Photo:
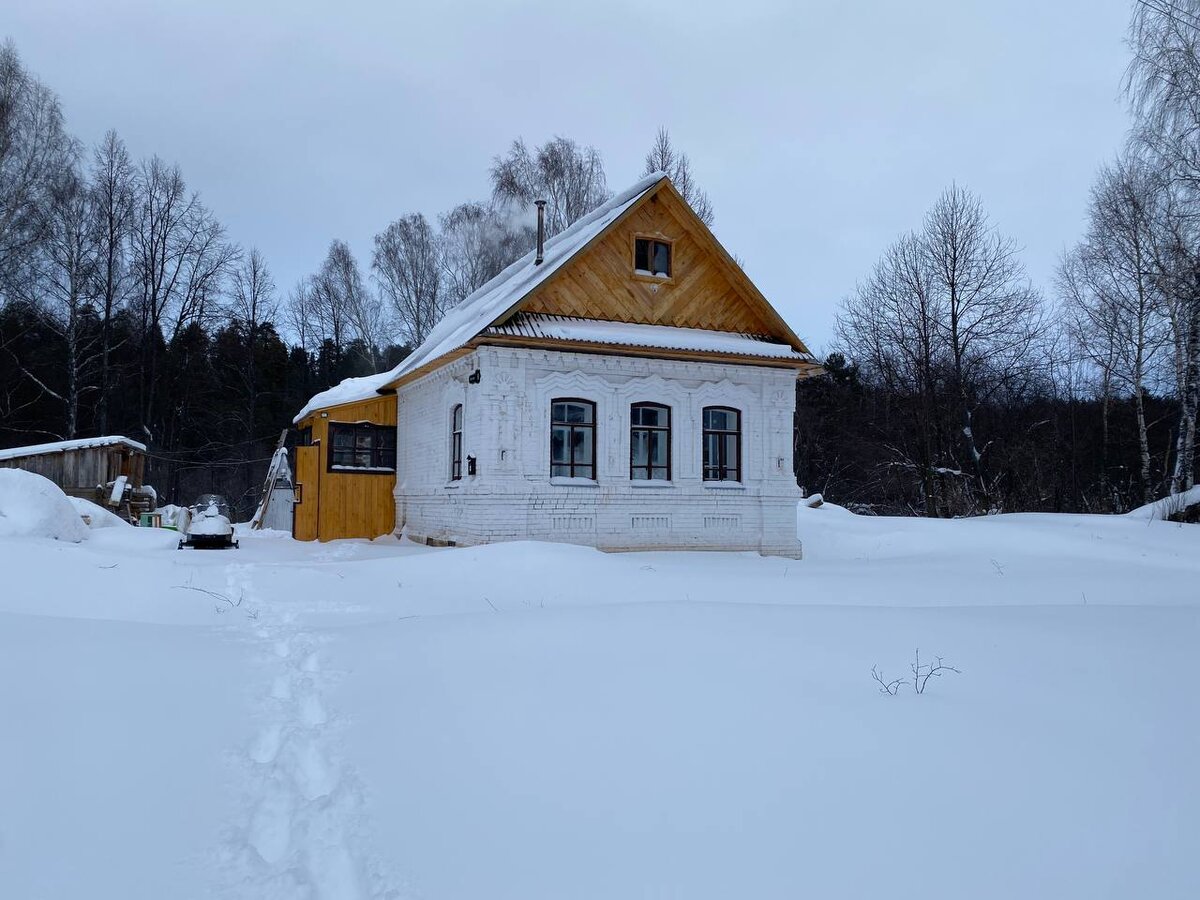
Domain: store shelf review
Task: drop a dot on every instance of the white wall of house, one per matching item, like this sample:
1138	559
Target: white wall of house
512	495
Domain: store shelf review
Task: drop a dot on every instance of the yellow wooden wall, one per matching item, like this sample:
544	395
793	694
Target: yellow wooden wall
348	504
600	283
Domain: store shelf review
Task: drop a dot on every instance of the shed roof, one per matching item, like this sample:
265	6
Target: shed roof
64	446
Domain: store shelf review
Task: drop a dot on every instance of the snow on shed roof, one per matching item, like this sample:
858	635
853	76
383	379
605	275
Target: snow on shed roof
79	444
481	308
668	337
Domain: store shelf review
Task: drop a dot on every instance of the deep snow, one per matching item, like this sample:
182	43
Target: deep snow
533	721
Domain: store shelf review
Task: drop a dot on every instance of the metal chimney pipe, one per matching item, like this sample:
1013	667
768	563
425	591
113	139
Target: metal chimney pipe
541	235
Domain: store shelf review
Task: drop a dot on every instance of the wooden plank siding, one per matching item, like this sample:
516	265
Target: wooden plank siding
343	504
80	471
600	283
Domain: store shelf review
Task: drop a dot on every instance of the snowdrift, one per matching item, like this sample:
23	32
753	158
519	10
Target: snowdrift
33	506
1165	507
97	515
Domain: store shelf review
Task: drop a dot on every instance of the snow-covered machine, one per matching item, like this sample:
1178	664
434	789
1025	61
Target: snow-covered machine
206	524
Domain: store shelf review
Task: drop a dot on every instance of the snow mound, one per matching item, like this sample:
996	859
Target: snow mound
33	506
1168	506
97	515
170	514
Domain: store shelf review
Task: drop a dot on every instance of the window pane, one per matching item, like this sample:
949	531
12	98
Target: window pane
641	255
560	471
731	454
662	258
660	473
639	451
342	438
581	442
558	412
558	444
638	474
658	443
710	455
458	417
655	416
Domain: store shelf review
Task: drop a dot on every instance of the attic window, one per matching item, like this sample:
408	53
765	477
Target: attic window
652	257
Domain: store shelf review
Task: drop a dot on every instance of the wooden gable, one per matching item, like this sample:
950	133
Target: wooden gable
706	290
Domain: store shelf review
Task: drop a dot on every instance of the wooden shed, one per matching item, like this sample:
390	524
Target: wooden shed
81	466
346	471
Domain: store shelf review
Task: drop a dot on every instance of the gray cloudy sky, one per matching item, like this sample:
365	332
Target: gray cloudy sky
820	130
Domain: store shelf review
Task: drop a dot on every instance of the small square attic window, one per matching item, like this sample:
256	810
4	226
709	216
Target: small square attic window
651	257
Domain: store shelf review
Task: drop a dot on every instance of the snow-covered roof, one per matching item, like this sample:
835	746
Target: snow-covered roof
667	337
481	308
350	390
79	444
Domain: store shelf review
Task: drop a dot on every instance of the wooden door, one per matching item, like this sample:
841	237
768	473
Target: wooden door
308	493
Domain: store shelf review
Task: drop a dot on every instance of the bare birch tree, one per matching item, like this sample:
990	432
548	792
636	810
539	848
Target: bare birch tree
62	284
476	243
947	320
1163	86
112	185
570	178
180	259
34	150
340	299
993	316
663	157
407	270
1113	285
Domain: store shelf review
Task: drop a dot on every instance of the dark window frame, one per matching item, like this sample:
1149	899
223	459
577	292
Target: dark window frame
718	470
376	438
648	467
647	274
571	465
456	437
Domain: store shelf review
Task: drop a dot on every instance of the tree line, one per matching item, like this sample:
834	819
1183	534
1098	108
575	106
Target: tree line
957	388
953	385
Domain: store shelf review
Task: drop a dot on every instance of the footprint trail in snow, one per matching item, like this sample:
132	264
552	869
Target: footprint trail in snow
303	832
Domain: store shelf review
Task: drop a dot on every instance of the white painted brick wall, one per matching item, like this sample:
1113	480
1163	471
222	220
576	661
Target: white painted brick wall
507	428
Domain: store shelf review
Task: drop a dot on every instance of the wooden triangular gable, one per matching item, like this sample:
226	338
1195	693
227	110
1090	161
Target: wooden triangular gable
707	289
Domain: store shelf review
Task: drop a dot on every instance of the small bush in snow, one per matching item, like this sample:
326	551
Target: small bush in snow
921	673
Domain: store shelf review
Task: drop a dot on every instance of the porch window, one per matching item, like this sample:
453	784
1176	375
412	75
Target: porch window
362	447
722	444
572	438
649	442
456	423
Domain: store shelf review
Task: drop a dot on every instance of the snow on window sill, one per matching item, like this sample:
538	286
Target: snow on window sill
453	485
573	482
725	485
368	470
647	275
650	483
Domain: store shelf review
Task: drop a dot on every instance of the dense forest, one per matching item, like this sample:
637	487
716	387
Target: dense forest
955	386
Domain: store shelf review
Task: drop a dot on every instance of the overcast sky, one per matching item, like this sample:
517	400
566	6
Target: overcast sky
819	130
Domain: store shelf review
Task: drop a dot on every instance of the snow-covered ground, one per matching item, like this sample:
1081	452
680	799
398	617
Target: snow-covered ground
356	719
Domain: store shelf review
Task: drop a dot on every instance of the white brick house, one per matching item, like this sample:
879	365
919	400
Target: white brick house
630	390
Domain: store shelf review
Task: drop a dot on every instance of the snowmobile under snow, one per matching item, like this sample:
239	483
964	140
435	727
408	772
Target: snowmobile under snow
206	524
